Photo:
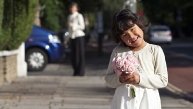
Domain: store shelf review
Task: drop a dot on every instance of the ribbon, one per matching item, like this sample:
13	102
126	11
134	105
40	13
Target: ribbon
131	90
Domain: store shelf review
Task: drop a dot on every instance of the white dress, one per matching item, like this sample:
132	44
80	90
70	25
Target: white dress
145	99
153	75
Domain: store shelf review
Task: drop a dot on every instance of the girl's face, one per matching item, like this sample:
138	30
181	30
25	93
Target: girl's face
73	9
133	37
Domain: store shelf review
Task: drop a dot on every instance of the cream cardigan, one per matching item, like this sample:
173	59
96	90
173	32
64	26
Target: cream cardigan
153	75
77	21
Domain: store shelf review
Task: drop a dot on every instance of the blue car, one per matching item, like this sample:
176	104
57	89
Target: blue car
42	47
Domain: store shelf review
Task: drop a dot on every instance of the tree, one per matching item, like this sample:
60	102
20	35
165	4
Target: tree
55	16
172	13
18	19
110	7
50	14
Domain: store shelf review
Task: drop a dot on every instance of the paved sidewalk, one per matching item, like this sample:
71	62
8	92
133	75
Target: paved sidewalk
54	92
67	92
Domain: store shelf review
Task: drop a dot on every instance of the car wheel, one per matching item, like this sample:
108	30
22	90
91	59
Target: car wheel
36	59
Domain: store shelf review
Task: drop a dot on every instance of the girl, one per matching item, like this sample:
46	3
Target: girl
128	32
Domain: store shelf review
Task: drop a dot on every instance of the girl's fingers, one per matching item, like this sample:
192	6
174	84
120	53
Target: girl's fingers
132	78
129	81
129	76
122	79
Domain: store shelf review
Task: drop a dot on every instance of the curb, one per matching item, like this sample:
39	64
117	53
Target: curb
178	91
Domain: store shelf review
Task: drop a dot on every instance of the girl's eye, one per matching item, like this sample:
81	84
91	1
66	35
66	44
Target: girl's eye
123	35
132	29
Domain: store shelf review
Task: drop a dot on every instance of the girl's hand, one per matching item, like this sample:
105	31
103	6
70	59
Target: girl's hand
132	78
70	24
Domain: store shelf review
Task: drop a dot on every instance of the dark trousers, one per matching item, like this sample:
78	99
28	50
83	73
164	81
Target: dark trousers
78	56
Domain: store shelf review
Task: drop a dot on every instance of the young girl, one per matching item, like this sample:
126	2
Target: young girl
128	32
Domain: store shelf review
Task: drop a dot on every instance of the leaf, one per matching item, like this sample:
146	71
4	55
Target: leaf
133	92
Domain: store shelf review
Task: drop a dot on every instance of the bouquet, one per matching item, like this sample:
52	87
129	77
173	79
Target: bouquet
127	64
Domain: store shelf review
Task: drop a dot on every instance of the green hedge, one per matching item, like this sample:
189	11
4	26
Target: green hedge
18	19
1	19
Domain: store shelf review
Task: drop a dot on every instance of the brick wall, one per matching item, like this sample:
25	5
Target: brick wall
1	70
10	68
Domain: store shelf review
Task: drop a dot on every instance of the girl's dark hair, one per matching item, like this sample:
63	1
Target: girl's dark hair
124	20
74	4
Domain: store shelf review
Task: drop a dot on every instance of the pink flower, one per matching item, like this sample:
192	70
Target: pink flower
127	64
130	68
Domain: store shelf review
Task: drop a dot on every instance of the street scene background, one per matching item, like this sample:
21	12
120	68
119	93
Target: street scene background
47	84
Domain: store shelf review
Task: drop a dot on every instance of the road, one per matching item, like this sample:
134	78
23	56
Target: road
180	47
179	58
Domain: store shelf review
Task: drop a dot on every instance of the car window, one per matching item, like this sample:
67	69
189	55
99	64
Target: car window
159	29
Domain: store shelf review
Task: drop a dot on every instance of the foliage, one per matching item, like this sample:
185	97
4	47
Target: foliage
1	19
173	13
110	7
89	8
156	13
54	17
50	14
18	19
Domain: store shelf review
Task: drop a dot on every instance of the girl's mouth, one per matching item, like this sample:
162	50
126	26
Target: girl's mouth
135	40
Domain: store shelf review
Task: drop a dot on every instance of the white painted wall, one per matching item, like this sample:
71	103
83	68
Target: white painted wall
21	64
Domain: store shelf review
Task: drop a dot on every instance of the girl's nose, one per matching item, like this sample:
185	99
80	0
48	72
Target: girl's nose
131	36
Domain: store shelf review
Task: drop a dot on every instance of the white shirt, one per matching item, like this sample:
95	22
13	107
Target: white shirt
78	25
153	75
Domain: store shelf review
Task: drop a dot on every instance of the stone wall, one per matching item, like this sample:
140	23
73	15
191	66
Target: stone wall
10	68
1	70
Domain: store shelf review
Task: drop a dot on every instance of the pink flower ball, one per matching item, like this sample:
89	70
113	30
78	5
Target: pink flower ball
127	64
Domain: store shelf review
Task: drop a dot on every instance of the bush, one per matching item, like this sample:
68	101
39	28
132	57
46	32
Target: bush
18	19
1	19
50	19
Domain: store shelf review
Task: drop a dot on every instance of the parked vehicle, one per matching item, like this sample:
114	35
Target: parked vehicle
63	36
159	34
41	47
